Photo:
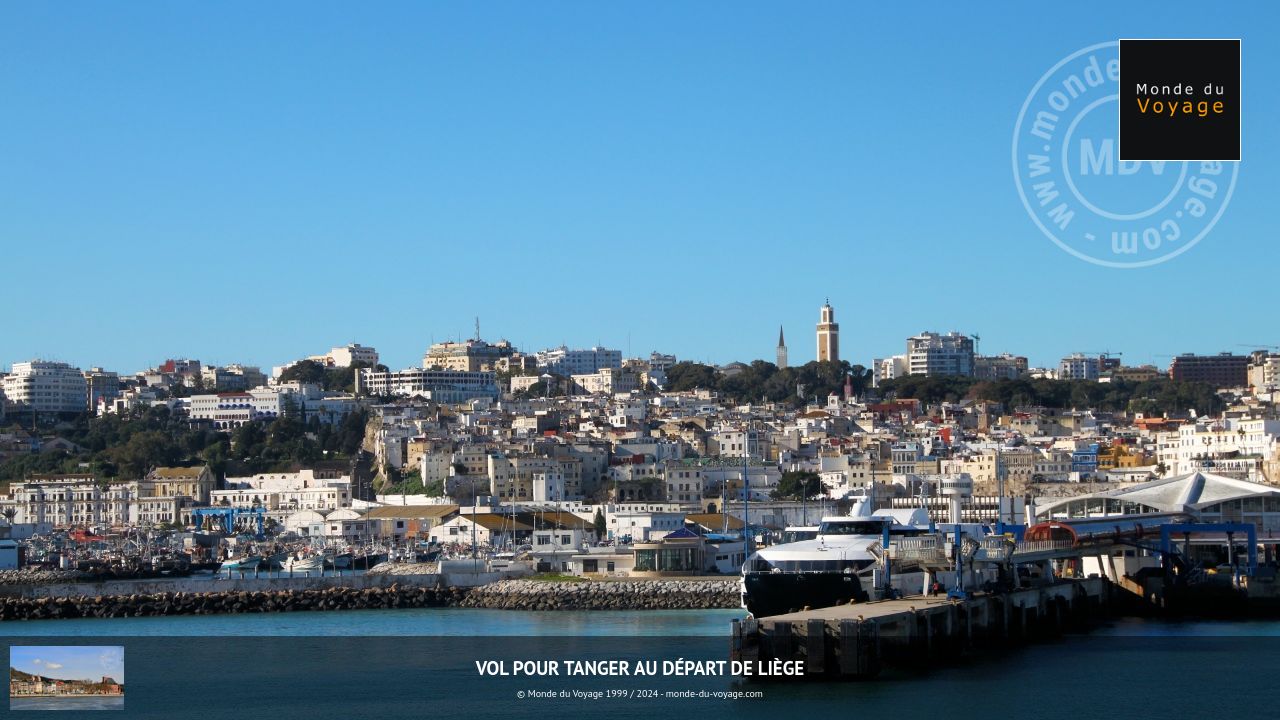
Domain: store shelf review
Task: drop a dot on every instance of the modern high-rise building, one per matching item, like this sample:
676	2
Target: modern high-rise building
782	350
932	354
999	367
1221	370
46	386
566	362
468	356
1078	366
101	385
828	335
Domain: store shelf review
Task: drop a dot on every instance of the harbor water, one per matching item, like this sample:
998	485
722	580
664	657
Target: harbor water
77	704
397	663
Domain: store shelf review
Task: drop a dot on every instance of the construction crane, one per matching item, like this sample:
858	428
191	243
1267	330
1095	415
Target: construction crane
977	340
1100	353
1259	346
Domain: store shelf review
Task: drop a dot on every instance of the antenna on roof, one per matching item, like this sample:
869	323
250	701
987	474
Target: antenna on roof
477	328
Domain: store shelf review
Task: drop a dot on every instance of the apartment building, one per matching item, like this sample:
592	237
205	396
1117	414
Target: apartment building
46	386
930	353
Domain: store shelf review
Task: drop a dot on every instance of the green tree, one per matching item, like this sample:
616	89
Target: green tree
799	485
601	527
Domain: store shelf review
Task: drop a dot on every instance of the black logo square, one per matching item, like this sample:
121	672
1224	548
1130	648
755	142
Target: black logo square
1179	100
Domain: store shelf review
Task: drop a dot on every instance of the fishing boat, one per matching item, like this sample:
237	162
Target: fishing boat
366	560
341	561
302	563
246	564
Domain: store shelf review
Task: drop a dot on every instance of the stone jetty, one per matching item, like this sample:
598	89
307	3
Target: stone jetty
673	594
37	576
212	603
690	594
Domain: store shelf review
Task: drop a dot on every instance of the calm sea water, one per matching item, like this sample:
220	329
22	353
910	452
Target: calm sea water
401	663
67	703
428	622
421	622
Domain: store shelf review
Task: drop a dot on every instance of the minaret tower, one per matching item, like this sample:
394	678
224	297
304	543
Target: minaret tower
828	335
782	350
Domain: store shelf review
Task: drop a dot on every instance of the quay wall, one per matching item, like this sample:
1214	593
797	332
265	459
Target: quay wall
860	640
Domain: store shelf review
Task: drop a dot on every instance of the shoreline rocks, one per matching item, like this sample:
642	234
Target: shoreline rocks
36	576
690	594
526	595
212	603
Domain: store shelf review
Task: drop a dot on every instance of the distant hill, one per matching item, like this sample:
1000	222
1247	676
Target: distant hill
16	674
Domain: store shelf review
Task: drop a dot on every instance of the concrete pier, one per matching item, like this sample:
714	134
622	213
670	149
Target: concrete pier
860	640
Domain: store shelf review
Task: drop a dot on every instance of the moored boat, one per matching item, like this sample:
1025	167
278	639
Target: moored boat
246	564
302	563
828	569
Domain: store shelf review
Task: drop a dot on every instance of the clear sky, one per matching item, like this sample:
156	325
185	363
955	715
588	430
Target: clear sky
69	662
254	182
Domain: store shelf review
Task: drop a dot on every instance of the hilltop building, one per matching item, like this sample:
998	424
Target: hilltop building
828	335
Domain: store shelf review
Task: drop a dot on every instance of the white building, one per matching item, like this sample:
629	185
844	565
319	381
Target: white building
932	354
1208	497
1264	372
444	386
302	490
101	386
637	524
81	500
564	361
889	368
45	386
230	410
605	381
232	377
548	486
348	355
468	356
1227	446
999	367
1077	366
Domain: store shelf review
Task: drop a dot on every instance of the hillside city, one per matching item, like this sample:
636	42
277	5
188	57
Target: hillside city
23	684
564	449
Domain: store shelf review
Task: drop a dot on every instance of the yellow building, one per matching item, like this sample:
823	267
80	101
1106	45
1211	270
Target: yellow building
196	483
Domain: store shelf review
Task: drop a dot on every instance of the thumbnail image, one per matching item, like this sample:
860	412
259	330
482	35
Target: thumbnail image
66	677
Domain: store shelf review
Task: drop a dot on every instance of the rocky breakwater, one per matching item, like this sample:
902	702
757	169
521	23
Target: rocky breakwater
37	576
210	603
683	594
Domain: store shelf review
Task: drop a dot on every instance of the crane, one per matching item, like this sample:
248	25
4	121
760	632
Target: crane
1101	353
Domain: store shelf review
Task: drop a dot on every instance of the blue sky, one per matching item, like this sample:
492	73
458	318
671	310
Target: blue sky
69	662
241	182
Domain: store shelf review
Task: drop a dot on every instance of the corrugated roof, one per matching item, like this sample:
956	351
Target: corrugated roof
176	472
494	521
1177	494
713	521
411	511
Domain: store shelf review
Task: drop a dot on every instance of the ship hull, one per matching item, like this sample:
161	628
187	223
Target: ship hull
776	593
